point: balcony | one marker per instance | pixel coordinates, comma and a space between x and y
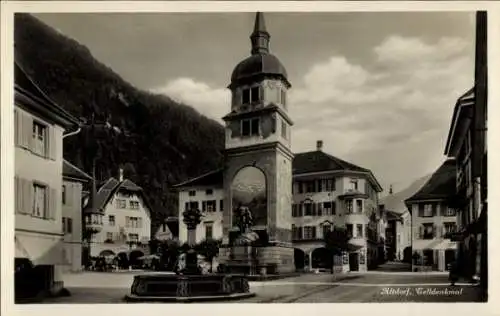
353, 194
93, 222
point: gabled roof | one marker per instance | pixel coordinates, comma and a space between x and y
210, 178
440, 186
308, 162
467, 100
317, 161
110, 187
31, 96
73, 172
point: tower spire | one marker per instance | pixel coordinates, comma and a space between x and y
260, 37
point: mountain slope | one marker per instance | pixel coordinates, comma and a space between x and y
395, 201
163, 143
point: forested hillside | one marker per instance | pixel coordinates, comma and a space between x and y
162, 142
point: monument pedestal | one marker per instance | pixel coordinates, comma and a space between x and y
272, 259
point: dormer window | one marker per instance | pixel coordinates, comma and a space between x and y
250, 95
250, 127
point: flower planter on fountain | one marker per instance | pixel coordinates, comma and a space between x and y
189, 284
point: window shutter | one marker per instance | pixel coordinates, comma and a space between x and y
434, 209
420, 232
27, 130
27, 197
300, 233
51, 143
421, 210
53, 200
17, 193
17, 128
443, 231
313, 232
71, 196
319, 209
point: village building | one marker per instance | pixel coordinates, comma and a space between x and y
327, 192
126, 221
467, 144
398, 236
168, 229
74, 181
294, 198
434, 220
39, 125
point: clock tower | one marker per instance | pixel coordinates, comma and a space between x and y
258, 171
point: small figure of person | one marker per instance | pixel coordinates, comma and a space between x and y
453, 276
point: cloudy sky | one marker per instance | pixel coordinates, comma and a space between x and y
377, 88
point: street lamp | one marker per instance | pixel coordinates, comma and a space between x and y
92, 217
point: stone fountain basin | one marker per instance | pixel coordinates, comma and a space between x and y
188, 288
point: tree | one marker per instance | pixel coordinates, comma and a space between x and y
209, 248
337, 240
154, 245
192, 217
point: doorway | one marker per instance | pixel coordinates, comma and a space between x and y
299, 259
354, 261
449, 257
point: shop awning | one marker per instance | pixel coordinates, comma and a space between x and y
20, 251
40, 249
424, 244
446, 245
434, 244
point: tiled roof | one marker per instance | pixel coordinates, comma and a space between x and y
71, 171
211, 178
110, 187
25, 85
313, 161
441, 185
465, 101
130, 186
316, 161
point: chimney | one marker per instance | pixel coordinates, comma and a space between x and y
390, 189
319, 145
121, 174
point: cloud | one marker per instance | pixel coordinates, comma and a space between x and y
212, 102
385, 113
398, 49
409, 88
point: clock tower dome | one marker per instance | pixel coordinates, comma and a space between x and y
258, 171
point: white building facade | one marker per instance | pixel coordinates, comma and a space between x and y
72, 206
39, 127
434, 222
206, 194
333, 194
126, 222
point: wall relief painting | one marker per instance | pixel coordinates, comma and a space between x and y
249, 190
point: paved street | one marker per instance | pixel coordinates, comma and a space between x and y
95, 287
